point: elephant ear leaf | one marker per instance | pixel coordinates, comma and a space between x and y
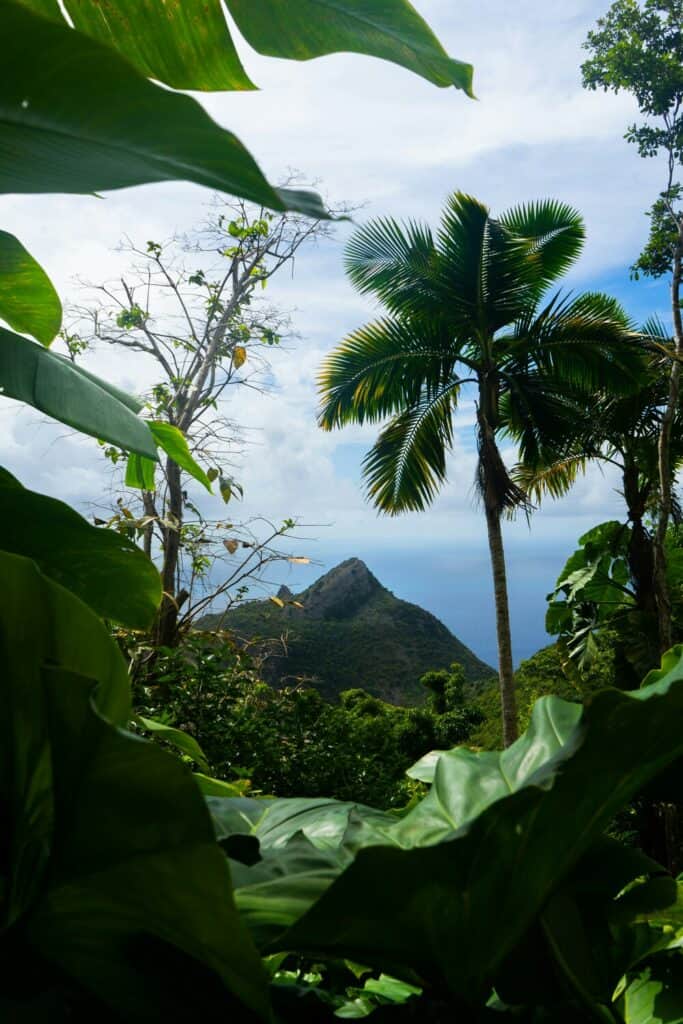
28, 301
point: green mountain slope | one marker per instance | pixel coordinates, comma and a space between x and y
350, 632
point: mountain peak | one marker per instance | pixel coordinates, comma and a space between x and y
347, 630
341, 591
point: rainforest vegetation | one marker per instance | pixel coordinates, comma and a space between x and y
182, 840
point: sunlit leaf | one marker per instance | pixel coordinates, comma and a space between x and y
175, 445
28, 300
312, 28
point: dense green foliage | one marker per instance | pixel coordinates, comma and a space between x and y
548, 672
292, 742
347, 630
596, 591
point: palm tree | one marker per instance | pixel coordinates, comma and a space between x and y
624, 432
469, 307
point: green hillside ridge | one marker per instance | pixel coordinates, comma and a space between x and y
351, 632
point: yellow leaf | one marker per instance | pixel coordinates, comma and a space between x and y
297, 604
299, 560
212, 474
231, 545
277, 601
239, 356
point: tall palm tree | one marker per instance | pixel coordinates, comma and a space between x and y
621, 431
469, 306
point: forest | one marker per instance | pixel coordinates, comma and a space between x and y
187, 836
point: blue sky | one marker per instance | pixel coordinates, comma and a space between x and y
375, 135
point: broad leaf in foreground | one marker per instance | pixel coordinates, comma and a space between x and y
312, 28
52, 384
433, 909
104, 569
56, 135
28, 300
113, 873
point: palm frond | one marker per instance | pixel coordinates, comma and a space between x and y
480, 268
586, 342
407, 464
546, 418
555, 480
554, 233
382, 368
393, 261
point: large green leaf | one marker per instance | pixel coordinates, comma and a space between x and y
188, 46
56, 135
465, 783
304, 844
54, 385
434, 909
28, 300
42, 624
185, 44
274, 822
655, 994
107, 571
114, 873
312, 28
135, 860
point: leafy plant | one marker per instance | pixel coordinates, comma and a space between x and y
597, 590
115, 897
287, 741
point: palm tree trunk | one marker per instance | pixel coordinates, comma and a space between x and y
506, 676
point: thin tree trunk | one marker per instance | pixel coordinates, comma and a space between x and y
506, 676
151, 512
165, 630
664, 458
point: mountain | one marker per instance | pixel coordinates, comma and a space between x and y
347, 630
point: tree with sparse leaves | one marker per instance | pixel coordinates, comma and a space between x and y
194, 307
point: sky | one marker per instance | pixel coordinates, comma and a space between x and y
375, 136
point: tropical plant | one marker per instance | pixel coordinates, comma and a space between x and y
623, 432
116, 900
598, 589
470, 307
639, 49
